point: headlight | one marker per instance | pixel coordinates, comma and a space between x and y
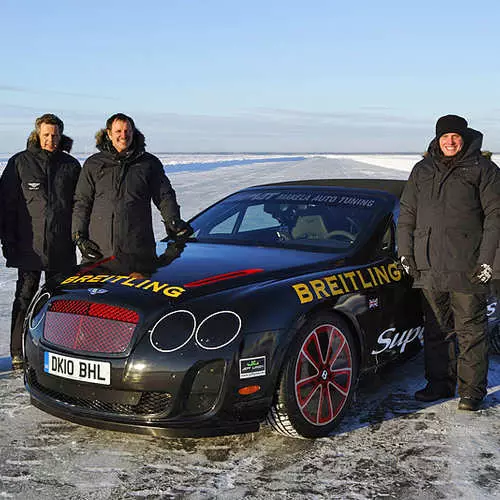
218, 330
35, 318
173, 331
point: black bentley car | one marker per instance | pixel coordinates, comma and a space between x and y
283, 297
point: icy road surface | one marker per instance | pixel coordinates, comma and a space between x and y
388, 447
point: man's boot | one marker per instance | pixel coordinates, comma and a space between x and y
433, 393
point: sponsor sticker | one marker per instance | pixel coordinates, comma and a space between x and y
253, 367
347, 282
130, 281
84, 370
491, 310
315, 197
391, 339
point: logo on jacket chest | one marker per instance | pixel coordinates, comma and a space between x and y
34, 186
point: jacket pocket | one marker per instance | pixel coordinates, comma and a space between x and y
461, 249
138, 227
421, 248
101, 228
36, 206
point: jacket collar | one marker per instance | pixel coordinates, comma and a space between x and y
472, 149
137, 148
33, 144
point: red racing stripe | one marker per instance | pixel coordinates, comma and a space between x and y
222, 277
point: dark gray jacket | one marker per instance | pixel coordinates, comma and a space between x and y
113, 199
36, 193
450, 216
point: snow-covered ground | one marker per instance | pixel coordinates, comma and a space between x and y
388, 446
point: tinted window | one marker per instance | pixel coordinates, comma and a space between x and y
326, 219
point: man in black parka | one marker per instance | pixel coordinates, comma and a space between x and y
448, 233
36, 196
112, 213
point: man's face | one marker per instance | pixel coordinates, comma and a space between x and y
49, 136
451, 143
121, 135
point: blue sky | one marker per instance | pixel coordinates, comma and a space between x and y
211, 75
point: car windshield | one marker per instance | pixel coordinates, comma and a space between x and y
327, 219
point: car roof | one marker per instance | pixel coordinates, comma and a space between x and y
392, 186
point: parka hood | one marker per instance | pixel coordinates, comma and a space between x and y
103, 143
473, 140
65, 144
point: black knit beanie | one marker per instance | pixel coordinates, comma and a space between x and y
451, 124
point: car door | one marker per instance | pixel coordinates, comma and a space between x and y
396, 325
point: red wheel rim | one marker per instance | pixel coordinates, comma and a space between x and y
323, 374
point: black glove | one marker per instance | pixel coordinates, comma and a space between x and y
408, 265
89, 249
9, 251
176, 228
481, 274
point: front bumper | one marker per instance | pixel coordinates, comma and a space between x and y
207, 427
197, 399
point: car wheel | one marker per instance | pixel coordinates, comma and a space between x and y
318, 379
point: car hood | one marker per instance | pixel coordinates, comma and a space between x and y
195, 269
204, 265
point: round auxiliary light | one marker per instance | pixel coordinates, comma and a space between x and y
218, 330
35, 317
173, 331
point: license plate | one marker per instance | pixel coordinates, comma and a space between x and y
84, 370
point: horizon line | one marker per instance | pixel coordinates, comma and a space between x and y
262, 152
290, 153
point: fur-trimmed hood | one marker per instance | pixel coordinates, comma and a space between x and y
103, 142
473, 140
65, 144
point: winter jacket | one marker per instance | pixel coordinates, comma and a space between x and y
36, 197
450, 216
113, 199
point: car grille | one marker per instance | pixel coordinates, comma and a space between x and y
150, 403
88, 326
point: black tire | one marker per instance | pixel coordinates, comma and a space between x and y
318, 379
